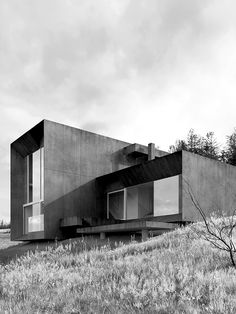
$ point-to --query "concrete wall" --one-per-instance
(23, 146)
(18, 184)
(73, 159)
(213, 184)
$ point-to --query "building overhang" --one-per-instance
(30, 141)
(159, 168)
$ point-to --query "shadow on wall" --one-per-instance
(80, 202)
(119, 160)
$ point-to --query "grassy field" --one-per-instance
(172, 273)
(5, 241)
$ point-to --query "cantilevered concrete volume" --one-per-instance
(67, 181)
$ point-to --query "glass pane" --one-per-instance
(33, 218)
(42, 174)
(27, 214)
(36, 209)
(140, 201)
(36, 182)
(132, 203)
(116, 204)
(166, 196)
(36, 223)
(145, 200)
(35, 176)
(29, 179)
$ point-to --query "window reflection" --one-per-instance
(33, 209)
(36, 170)
(166, 196)
(33, 218)
(35, 176)
(140, 201)
(116, 202)
(132, 202)
(155, 198)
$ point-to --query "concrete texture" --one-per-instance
(73, 159)
(159, 168)
(18, 187)
(213, 184)
(137, 150)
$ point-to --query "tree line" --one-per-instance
(208, 146)
(4, 225)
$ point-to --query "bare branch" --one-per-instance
(217, 232)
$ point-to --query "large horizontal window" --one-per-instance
(155, 198)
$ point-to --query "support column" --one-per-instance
(144, 234)
(102, 236)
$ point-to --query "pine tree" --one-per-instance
(179, 145)
(205, 146)
(194, 142)
(210, 147)
(230, 151)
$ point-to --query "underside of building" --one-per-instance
(67, 182)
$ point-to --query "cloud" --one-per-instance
(137, 70)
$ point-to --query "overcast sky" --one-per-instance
(140, 71)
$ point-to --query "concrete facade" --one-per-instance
(73, 159)
(212, 183)
(23, 146)
(81, 168)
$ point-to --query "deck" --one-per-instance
(142, 225)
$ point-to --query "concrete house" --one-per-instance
(66, 181)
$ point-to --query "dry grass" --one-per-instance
(172, 273)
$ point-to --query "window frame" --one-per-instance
(124, 203)
(29, 187)
(179, 196)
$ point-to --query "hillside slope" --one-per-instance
(172, 273)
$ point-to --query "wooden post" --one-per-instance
(102, 235)
(144, 234)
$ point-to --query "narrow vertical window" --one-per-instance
(33, 209)
(42, 173)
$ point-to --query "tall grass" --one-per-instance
(5, 241)
(172, 273)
